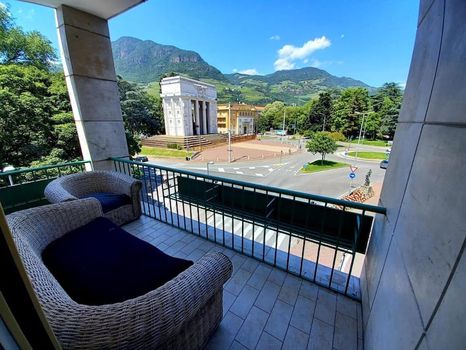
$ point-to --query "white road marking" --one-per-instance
(236, 168)
(270, 169)
(257, 174)
(252, 167)
(240, 172)
(222, 170)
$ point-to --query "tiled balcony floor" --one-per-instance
(264, 307)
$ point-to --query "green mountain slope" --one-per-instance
(146, 61)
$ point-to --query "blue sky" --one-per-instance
(369, 40)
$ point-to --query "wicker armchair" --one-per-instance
(181, 314)
(75, 186)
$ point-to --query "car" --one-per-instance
(140, 159)
(384, 164)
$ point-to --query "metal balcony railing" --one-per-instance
(318, 238)
(24, 188)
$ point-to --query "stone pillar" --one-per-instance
(90, 76)
(414, 275)
(196, 113)
(204, 117)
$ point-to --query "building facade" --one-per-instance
(189, 106)
(243, 118)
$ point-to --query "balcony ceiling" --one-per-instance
(102, 8)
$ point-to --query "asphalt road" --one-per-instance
(286, 174)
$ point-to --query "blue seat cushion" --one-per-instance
(100, 263)
(109, 201)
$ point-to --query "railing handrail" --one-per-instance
(44, 167)
(335, 201)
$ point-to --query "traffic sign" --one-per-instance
(352, 175)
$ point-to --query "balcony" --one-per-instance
(291, 285)
(265, 307)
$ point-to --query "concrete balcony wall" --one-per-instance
(90, 76)
(414, 275)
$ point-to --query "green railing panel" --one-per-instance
(339, 227)
(28, 186)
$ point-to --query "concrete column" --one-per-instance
(90, 76)
(414, 275)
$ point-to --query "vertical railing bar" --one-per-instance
(254, 221)
(304, 239)
(276, 238)
(265, 225)
(163, 196)
(322, 225)
(182, 202)
(148, 188)
(242, 221)
(291, 236)
(354, 254)
(340, 225)
(191, 212)
(159, 204)
(150, 172)
(206, 211)
(169, 199)
(198, 217)
(232, 216)
(174, 179)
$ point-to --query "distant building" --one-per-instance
(243, 118)
(189, 106)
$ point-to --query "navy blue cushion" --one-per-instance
(100, 263)
(109, 201)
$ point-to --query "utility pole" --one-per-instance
(283, 127)
(360, 131)
(229, 132)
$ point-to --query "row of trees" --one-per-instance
(340, 111)
(36, 122)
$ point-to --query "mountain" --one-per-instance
(146, 62)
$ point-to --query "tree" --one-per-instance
(319, 116)
(19, 47)
(271, 117)
(387, 105)
(321, 143)
(346, 116)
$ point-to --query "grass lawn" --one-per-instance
(379, 143)
(369, 155)
(318, 165)
(164, 152)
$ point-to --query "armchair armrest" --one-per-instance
(147, 321)
(121, 183)
(46, 223)
(55, 193)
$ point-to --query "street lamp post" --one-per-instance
(360, 130)
(229, 132)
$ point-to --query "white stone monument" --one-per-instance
(189, 106)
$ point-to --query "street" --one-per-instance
(286, 174)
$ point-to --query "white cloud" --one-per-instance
(275, 37)
(342, 36)
(235, 70)
(250, 71)
(288, 54)
(316, 63)
(29, 14)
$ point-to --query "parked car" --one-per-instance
(140, 159)
(384, 164)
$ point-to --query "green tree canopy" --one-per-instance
(19, 47)
(346, 116)
(321, 143)
(321, 111)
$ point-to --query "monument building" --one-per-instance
(189, 106)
